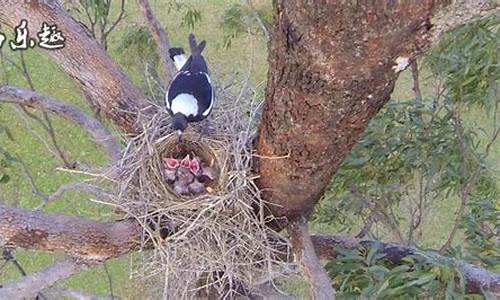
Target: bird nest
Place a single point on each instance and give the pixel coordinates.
(212, 237)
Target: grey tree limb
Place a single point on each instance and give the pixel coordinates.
(29, 286)
(17, 95)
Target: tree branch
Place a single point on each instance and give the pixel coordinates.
(101, 135)
(74, 236)
(58, 293)
(478, 280)
(160, 37)
(107, 86)
(30, 286)
(320, 285)
(89, 240)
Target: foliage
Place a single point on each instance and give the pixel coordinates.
(138, 40)
(366, 273)
(414, 155)
(96, 17)
(467, 61)
(191, 16)
(240, 19)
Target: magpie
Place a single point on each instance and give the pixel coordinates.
(190, 96)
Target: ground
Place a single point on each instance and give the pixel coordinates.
(246, 57)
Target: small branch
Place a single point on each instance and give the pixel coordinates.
(75, 186)
(472, 176)
(118, 19)
(9, 257)
(160, 37)
(107, 86)
(46, 122)
(30, 286)
(261, 23)
(416, 84)
(320, 286)
(101, 135)
(367, 225)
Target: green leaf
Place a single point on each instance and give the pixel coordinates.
(4, 179)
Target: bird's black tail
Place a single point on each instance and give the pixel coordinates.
(196, 48)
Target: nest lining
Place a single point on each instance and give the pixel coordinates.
(220, 238)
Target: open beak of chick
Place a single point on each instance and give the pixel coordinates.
(183, 174)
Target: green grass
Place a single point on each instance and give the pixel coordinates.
(247, 57)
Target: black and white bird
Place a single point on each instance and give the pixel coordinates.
(190, 96)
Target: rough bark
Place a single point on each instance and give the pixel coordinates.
(29, 286)
(332, 66)
(108, 88)
(101, 135)
(79, 238)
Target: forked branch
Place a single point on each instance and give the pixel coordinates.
(11, 94)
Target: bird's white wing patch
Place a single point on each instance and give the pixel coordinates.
(212, 100)
(185, 104)
(179, 61)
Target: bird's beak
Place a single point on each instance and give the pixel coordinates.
(179, 134)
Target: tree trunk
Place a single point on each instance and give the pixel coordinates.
(332, 66)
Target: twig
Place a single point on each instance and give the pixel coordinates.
(110, 282)
(46, 122)
(467, 187)
(367, 225)
(118, 19)
(416, 87)
(80, 186)
(262, 25)
(9, 257)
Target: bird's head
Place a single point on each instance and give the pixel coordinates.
(179, 123)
